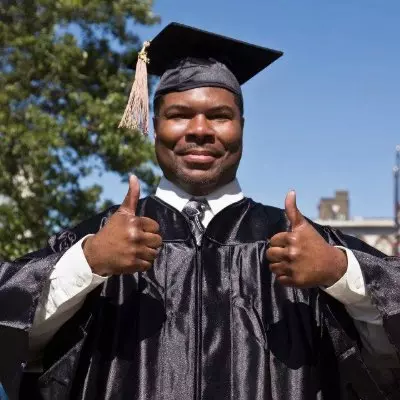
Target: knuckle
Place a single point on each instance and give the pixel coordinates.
(135, 235)
(272, 267)
(293, 253)
(152, 254)
(155, 241)
(275, 239)
(281, 279)
(136, 222)
(275, 251)
(156, 226)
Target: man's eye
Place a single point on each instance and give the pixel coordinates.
(220, 117)
(178, 116)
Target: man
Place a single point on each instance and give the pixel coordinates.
(199, 292)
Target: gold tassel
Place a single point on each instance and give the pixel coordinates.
(136, 114)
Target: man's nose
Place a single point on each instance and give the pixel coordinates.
(200, 127)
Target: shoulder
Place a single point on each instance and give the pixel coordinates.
(67, 237)
(269, 213)
(256, 221)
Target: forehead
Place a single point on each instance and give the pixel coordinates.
(211, 96)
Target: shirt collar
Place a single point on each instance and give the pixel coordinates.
(218, 200)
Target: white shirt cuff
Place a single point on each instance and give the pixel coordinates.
(73, 265)
(350, 288)
(72, 276)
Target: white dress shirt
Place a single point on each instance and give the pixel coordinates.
(72, 279)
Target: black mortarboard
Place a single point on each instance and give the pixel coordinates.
(186, 58)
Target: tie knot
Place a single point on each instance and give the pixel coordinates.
(195, 208)
(194, 212)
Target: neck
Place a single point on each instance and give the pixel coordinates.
(200, 188)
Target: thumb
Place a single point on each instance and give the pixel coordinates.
(294, 215)
(132, 197)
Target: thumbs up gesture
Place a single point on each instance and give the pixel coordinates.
(127, 243)
(301, 257)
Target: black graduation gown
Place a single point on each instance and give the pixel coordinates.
(208, 322)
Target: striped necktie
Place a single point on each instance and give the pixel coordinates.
(194, 211)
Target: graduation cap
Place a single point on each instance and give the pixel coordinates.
(186, 58)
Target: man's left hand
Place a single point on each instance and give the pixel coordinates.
(301, 257)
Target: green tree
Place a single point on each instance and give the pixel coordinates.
(66, 68)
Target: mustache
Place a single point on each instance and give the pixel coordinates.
(191, 148)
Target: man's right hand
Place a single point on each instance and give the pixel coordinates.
(127, 243)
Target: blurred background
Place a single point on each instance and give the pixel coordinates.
(323, 119)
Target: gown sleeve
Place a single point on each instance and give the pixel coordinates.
(22, 283)
(382, 279)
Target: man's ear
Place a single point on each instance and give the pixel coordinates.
(155, 126)
(242, 122)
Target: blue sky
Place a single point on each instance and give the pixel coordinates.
(326, 116)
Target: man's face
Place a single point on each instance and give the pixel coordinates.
(198, 138)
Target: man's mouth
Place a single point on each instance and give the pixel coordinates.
(199, 156)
